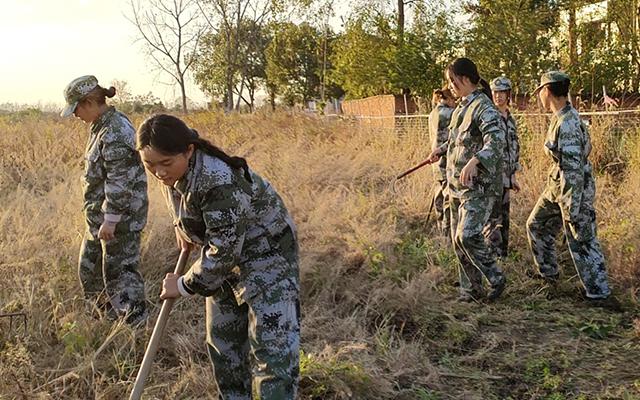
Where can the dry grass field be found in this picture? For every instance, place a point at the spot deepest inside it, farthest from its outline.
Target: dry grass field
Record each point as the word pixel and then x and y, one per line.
pixel 378 309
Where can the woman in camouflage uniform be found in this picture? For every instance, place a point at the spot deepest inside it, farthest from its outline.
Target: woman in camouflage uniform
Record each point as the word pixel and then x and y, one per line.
pixel 443 104
pixel 115 202
pixel 248 263
pixel 566 204
pixel 474 162
pixel 497 230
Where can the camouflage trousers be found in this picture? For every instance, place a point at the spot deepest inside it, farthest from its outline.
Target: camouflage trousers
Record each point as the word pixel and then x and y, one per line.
pixel 254 346
pixel 468 218
pixel 111 268
pixel 544 225
pixel 441 205
pixel 496 232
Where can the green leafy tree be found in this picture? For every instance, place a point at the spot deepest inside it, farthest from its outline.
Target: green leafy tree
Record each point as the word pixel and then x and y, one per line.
pixel 232 24
pixel 624 15
pixel 247 71
pixel 600 48
pixel 512 37
pixel 364 56
pixel 431 43
pixel 293 62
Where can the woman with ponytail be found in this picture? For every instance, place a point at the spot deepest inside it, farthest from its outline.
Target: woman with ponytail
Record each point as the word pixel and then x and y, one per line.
pixel 247 268
pixel 474 177
pixel 115 203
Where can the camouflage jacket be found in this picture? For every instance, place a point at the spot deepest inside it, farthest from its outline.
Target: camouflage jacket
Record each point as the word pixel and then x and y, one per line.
pixel 236 222
pixel 114 181
pixel 476 130
pixel 439 132
pixel 511 160
pixel 568 144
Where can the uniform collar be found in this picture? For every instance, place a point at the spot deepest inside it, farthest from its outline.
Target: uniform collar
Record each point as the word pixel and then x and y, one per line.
pixel 102 120
pixel 469 98
pixel 564 110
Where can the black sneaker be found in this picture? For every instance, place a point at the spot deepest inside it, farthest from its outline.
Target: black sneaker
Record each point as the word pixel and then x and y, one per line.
pixel 497 290
pixel 469 297
pixel 609 303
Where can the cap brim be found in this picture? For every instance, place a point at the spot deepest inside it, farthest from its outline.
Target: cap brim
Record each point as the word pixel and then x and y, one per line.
pixel 538 89
pixel 68 110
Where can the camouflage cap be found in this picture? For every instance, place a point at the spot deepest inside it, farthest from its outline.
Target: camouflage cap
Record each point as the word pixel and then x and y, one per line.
pixel 551 77
pixel 500 84
pixel 76 91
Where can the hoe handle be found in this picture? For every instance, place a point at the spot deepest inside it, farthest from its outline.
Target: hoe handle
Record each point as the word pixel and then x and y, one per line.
pixel 407 172
pixel 154 342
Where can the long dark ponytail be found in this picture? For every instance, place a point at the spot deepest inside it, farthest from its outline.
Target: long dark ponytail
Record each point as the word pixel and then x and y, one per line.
pixel 170 135
pixel 465 67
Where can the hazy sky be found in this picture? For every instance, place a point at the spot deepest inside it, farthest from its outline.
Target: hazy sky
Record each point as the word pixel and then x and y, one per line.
pixel 44 44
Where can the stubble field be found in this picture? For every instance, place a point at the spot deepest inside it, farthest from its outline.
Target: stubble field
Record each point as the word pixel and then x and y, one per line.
pixel 379 320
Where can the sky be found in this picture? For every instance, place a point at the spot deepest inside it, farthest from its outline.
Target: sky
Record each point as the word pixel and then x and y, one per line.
pixel 47 43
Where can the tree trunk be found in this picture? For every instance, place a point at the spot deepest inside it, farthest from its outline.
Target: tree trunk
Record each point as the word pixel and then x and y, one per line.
pixel 184 94
pixel 400 21
pixel 230 70
pixel 229 105
pixel 240 95
pixel 272 100
pixel 324 64
pixel 252 93
pixel 635 46
pixel 573 50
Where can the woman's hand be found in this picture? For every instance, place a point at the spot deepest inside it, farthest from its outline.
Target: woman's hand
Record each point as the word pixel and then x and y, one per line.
pixel 469 172
pixel 433 157
pixel 170 287
pixel 107 230
pixel 182 243
pixel 515 186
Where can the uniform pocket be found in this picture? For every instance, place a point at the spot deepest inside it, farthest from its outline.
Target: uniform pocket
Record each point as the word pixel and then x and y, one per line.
pixel 92 158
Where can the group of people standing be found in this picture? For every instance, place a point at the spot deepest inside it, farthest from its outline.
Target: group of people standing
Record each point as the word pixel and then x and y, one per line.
pixel 247 267
pixel 475 144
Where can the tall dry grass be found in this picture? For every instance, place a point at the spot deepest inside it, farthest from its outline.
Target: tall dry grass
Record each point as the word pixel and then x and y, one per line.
pixel 377 283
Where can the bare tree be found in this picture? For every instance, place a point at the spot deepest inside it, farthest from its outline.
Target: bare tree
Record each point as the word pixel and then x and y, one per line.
pixel 171 32
pixel 123 94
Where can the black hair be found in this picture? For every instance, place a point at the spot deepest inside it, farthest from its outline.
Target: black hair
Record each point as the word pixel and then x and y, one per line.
pixel 560 89
pixel 465 67
pixel 441 94
pixel 171 136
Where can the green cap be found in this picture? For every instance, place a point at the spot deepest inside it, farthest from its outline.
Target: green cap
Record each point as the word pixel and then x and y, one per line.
pixel 500 84
pixel 551 77
pixel 76 91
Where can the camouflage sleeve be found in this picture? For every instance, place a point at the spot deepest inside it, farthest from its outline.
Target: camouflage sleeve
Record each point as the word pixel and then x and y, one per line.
pixel 439 131
pixel 443 129
pixel 442 149
pixel 571 168
pixel 119 160
pixel 223 216
pixel 516 147
pixel 493 138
